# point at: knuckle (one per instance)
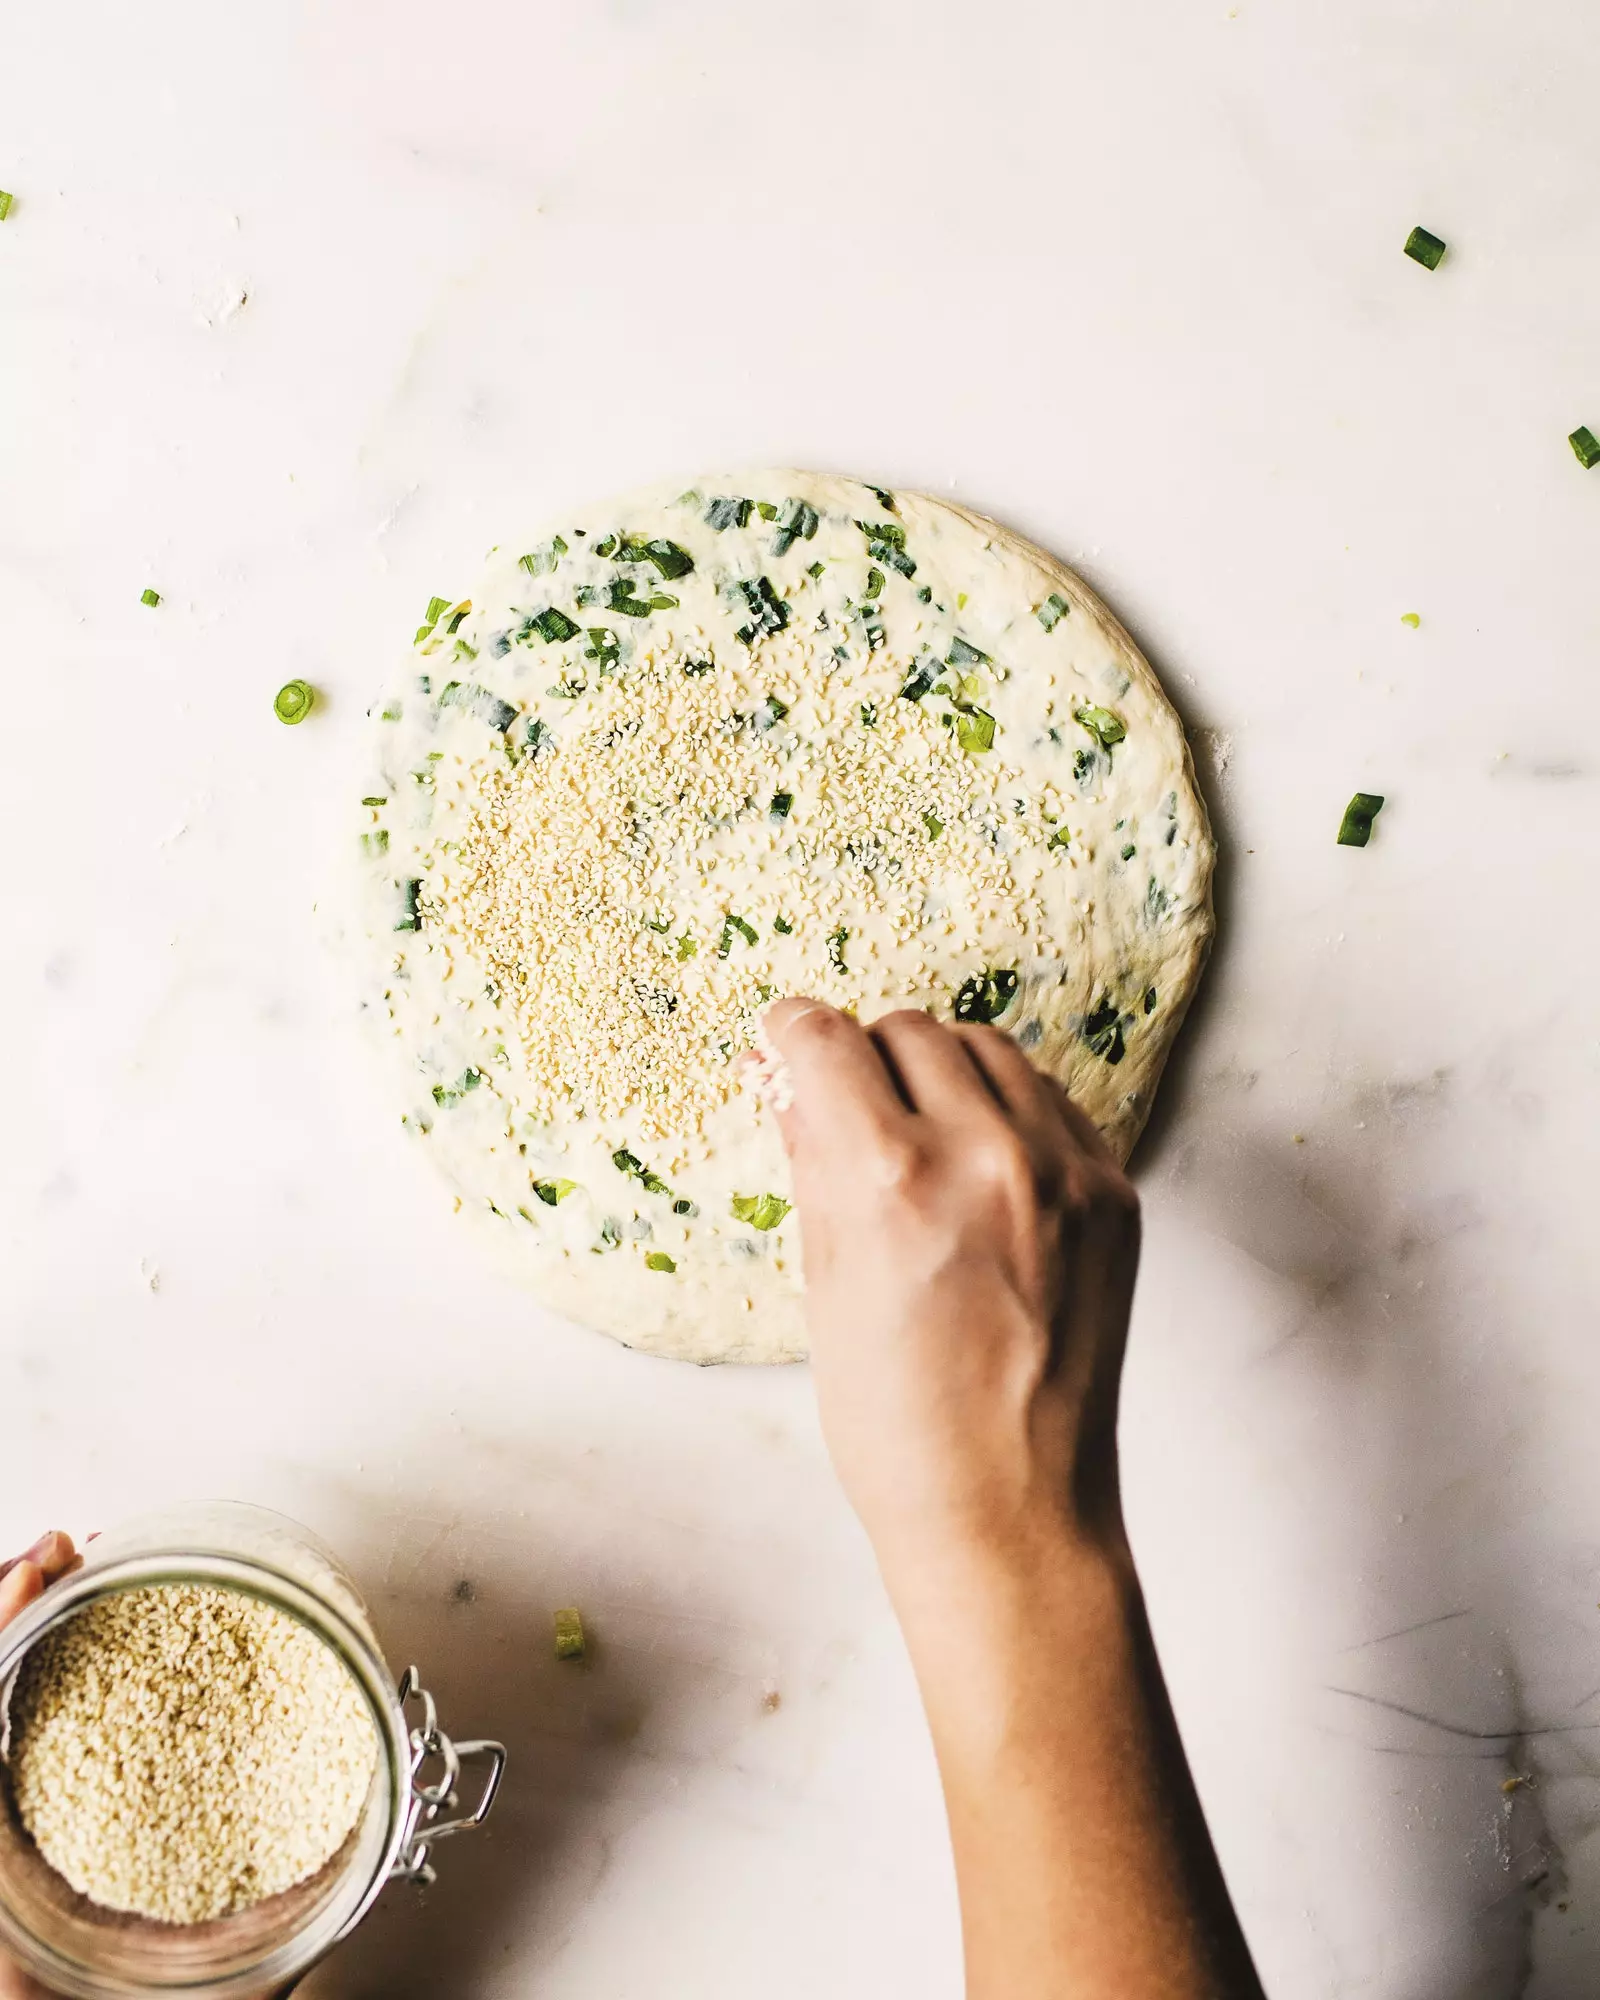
(903, 1163)
(1003, 1162)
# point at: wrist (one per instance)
(961, 1589)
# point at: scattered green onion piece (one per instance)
(1586, 447)
(869, 715)
(1102, 1030)
(544, 562)
(781, 802)
(815, 569)
(151, 597)
(5, 204)
(375, 843)
(621, 598)
(553, 1192)
(782, 926)
(730, 924)
(658, 1260)
(986, 995)
(921, 681)
(727, 512)
(1129, 851)
(1052, 611)
(604, 647)
(411, 913)
(934, 824)
(975, 729)
(1411, 618)
(687, 947)
(1101, 724)
(798, 521)
(682, 1206)
(1424, 247)
(761, 1211)
(553, 626)
(768, 611)
(374, 802)
(294, 701)
(874, 582)
(570, 1642)
(766, 510)
(836, 944)
(1060, 838)
(963, 655)
(1355, 829)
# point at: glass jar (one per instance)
(75, 1947)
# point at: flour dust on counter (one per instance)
(781, 733)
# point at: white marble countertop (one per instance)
(300, 308)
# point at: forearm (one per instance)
(1083, 1859)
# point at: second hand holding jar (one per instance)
(207, 1773)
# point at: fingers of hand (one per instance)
(52, 1553)
(936, 1075)
(841, 1096)
(20, 1585)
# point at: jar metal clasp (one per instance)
(435, 1773)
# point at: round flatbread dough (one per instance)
(782, 733)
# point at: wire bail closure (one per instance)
(435, 1772)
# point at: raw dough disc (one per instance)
(780, 733)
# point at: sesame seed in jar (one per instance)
(183, 1752)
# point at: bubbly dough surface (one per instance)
(689, 751)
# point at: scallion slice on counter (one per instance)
(294, 701)
(1424, 247)
(5, 204)
(151, 597)
(570, 1642)
(1355, 829)
(374, 801)
(1411, 618)
(1585, 446)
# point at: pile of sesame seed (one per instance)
(717, 833)
(183, 1752)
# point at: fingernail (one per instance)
(42, 1547)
